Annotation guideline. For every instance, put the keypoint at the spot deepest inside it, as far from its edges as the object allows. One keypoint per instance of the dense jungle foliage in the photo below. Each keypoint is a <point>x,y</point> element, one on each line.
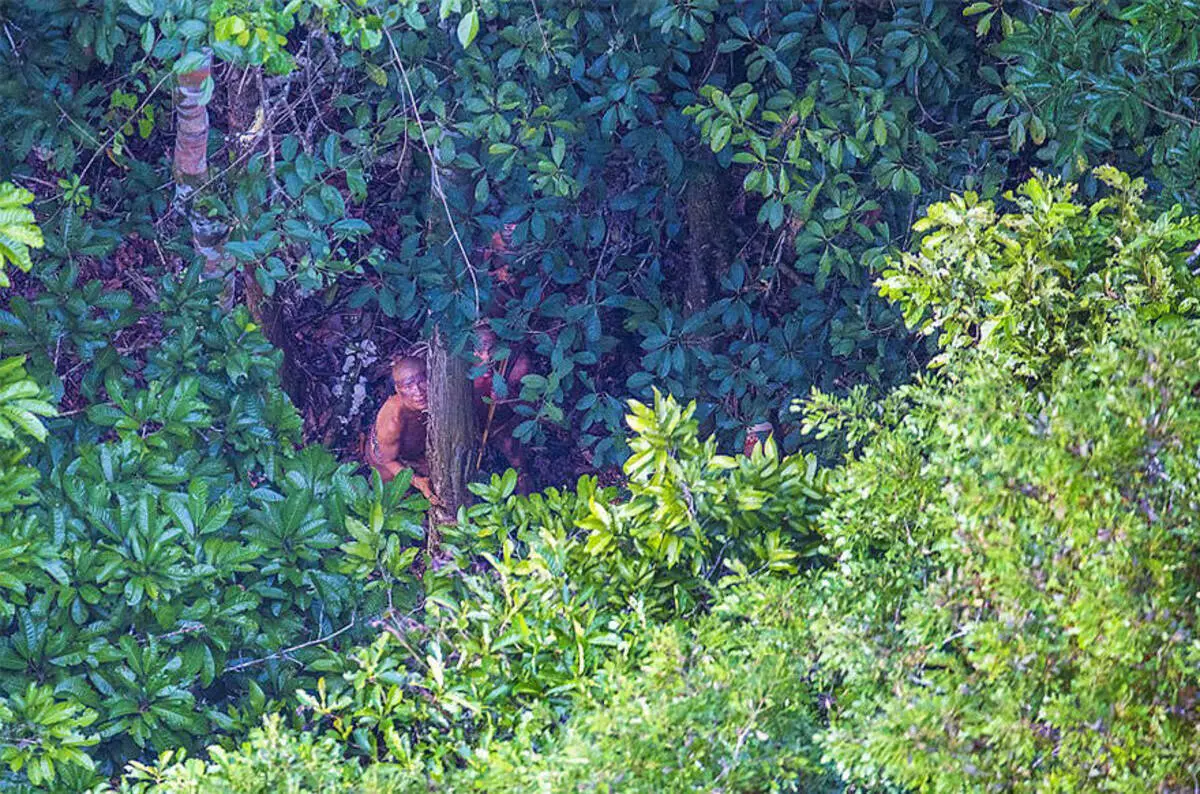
<point>946,251</point>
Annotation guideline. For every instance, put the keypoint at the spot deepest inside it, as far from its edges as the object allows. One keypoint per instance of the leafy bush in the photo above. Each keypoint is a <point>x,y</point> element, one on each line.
<point>526,619</point>
<point>18,232</point>
<point>163,570</point>
<point>1034,286</point>
<point>537,594</point>
<point>1079,84</point>
<point>724,704</point>
<point>271,760</point>
<point>1023,616</point>
<point>1013,604</point>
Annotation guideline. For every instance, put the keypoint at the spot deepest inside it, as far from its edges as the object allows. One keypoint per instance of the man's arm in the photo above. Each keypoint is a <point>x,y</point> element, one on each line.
<point>383,445</point>
<point>383,449</point>
<point>519,368</point>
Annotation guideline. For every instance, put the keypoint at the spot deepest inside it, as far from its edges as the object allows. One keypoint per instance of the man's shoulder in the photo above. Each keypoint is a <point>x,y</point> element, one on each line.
<point>390,410</point>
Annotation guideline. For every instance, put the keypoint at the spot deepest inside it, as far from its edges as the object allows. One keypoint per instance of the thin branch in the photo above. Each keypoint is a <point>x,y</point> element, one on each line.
<point>435,174</point>
<point>1170,113</point>
<point>538,16</point>
<point>286,651</point>
<point>117,129</point>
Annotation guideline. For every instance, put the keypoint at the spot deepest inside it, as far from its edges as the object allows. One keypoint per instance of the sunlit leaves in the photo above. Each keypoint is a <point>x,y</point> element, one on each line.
<point>18,232</point>
<point>468,27</point>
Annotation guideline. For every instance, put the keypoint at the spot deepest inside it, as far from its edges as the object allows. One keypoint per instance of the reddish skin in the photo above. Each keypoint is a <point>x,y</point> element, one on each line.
<point>498,244</point>
<point>756,434</point>
<point>397,439</point>
<point>497,255</point>
<point>504,419</point>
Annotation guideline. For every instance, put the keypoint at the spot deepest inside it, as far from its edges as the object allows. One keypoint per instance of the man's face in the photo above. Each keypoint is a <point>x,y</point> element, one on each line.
<point>412,385</point>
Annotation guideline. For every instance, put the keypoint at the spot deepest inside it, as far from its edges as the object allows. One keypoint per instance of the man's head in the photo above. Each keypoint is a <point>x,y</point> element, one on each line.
<point>408,376</point>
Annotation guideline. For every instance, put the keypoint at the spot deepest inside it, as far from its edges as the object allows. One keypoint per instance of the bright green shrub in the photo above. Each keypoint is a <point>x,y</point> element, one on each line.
<point>272,760</point>
<point>45,736</point>
<point>22,402</point>
<point>721,705</point>
<point>1013,604</point>
<point>1036,285</point>
<point>725,702</point>
<point>527,618</point>
<point>538,594</point>
<point>18,232</point>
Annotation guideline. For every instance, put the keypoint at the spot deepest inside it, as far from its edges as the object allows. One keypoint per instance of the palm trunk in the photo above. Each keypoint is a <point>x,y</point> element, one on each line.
<point>191,168</point>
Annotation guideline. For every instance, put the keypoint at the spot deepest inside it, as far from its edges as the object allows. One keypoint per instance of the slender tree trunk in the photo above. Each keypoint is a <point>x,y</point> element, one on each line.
<point>191,170</point>
<point>245,122</point>
<point>708,235</point>
<point>453,430</point>
<point>706,200</point>
<point>453,434</point>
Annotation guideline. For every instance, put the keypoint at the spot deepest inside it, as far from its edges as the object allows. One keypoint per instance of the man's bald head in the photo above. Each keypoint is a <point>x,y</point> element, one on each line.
<point>411,382</point>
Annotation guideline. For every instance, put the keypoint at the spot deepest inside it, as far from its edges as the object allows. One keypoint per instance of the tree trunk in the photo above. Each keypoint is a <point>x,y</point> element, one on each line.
<point>245,120</point>
<point>453,430</point>
<point>191,171</point>
<point>708,235</point>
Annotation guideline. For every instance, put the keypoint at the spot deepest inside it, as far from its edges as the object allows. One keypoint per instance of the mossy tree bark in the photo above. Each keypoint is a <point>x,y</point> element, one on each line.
<point>453,430</point>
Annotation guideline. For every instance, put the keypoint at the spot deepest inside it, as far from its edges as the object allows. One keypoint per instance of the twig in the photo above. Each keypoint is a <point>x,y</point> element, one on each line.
<point>538,16</point>
<point>1170,113</point>
<point>11,43</point>
<point>286,651</point>
<point>435,175</point>
<point>487,426</point>
<point>118,127</point>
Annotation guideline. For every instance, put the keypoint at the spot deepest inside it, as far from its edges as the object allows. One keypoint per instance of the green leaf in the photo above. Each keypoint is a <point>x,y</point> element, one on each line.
<point>720,137</point>
<point>468,27</point>
<point>189,62</point>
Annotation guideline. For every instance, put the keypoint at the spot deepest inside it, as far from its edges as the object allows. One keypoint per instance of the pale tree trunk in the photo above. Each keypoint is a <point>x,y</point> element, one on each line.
<point>453,430</point>
<point>191,169</point>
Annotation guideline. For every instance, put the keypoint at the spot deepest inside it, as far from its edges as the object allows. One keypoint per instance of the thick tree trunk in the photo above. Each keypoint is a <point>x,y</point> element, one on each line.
<point>191,170</point>
<point>453,430</point>
<point>708,235</point>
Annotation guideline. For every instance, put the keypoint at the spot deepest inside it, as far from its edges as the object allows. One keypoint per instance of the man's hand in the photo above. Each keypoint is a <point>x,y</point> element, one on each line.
<point>424,485</point>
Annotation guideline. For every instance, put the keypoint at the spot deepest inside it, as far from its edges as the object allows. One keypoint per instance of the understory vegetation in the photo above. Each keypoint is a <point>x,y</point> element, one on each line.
<point>946,253</point>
